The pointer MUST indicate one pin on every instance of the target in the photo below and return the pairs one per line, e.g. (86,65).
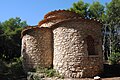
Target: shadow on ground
(111,71)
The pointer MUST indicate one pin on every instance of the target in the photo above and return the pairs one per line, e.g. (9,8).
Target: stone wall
(71,57)
(71,43)
(37,48)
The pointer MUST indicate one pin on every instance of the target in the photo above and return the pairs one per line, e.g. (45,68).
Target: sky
(33,11)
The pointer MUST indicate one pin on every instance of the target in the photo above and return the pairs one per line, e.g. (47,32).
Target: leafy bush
(16,67)
(48,72)
(12,70)
(114,58)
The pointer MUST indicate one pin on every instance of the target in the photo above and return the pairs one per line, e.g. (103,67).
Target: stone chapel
(65,41)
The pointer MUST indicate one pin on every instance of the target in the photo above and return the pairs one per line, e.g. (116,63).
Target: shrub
(16,67)
(48,72)
(114,58)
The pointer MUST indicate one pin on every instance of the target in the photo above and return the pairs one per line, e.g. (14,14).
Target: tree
(113,12)
(10,38)
(113,18)
(110,16)
(96,10)
(81,8)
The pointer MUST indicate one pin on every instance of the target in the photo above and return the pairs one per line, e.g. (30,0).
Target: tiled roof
(60,16)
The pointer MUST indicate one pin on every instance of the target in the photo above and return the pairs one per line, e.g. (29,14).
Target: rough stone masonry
(65,41)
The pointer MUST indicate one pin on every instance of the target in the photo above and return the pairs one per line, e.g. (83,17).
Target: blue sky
(33,11)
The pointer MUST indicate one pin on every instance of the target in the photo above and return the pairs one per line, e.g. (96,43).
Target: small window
(90,45)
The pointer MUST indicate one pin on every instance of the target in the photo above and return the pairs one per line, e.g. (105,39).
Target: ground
(15,72)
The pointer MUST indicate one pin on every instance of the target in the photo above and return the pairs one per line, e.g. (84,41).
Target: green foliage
(48,72)
(17,62)
(114,58)
(10,40)
(81,8)
(12,70)
(113,18)
(113,12)
(36,78)
(96,10)
(108,14)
